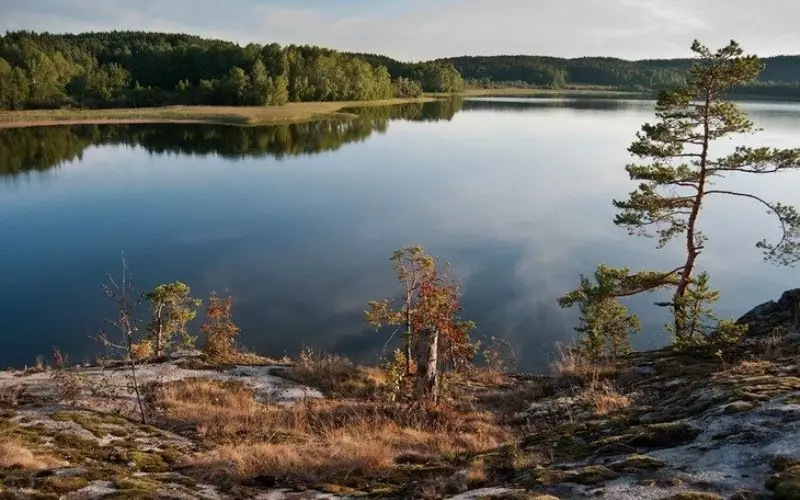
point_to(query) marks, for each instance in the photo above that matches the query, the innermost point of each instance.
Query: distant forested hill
(139, 69)
(135, 69)
(781, 76)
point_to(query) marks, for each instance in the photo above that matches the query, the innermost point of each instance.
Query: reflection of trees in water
(42, 148)
(528, 104)
(442, 109)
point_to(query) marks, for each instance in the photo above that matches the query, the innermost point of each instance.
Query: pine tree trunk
(692, 250)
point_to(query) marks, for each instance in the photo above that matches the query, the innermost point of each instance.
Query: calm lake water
(298, 222)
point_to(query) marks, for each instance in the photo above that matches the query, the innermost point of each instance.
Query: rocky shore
(703, 424)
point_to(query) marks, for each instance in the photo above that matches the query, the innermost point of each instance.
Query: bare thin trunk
(125, 307)
(134, 379)
(159, 333)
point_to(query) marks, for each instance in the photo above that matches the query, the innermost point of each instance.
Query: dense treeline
(42, 148)
(433, 76)
(780, 78)
(136, 69)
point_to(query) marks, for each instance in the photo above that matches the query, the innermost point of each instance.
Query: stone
(765, 319)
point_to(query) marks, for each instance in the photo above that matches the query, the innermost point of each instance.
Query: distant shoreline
(244, 116)
(578, 92)
(292, 113)
(249, 116)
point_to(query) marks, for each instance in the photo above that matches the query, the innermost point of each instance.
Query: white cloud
(412, 29)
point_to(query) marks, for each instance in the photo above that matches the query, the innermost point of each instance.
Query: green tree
(430, 313)
(682, 173)
(18, 90)
(84, 70)
(260, 85)
(280, 95)
(412, 266)
(237, 85)
(405, 87)
(172, 308)
(605, 324)
(43, 77)
(219, 329)
(702, 324)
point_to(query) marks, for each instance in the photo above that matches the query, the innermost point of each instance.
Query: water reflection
(532, 104)
(42, 148)
(515, 195)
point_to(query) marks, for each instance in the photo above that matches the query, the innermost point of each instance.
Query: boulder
(772, 316)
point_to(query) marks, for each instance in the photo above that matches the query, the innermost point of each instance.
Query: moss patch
(593, 474)
(664, 435)
(61, 485)
(694, 495)
(142, 484)
(96, 423)
(148, 461)
(635, 463)
(549, 476)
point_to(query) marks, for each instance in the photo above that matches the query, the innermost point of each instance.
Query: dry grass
(477, 475)
(488, 377)
(15, 455)
(604, 398)
(143, 350)
(578, 370)
(335, 375)
(296, 112)
(318, 441)
(510, 401)
(747, 367)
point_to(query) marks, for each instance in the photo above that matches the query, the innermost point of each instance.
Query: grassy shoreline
(248, 116)
(292, 113)
(296, 112)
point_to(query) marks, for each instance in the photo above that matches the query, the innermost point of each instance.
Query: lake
(298, 222)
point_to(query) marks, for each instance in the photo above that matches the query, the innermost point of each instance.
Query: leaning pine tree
(680, 173)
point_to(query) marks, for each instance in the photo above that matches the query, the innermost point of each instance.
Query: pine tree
(605, 324)
(172, 308)
(682, 174)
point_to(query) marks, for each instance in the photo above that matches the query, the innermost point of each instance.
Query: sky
(425, 29)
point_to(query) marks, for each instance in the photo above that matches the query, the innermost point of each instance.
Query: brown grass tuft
(143, 350)
(318, 440)
(579, 370)
(334, 375)
(605, 398)
(488, 377)
(15, 455)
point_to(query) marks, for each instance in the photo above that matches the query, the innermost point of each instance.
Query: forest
(137, 69)
(781, 77)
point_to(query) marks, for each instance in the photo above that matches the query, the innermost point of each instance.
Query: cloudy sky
(423, 29)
